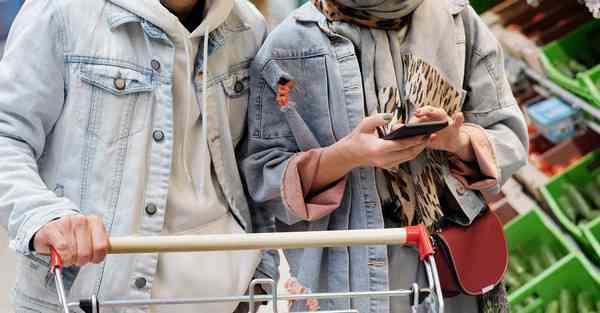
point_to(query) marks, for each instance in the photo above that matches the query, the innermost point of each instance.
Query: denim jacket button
(120, 83)
(238, 87)
(151, 209)
(155, 65)
(158, 135)
(140, 282)
(460, 189)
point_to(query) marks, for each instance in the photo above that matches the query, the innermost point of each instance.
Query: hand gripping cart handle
(413, 235)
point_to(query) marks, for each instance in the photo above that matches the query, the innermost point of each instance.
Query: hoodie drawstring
(205, 165)
(183, 154)
(205, 152)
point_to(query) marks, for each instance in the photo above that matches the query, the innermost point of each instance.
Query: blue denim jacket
(72, 140)
(329, 100)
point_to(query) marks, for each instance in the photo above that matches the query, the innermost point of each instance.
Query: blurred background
(551, 208)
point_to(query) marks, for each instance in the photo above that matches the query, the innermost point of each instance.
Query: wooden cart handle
(262, 241)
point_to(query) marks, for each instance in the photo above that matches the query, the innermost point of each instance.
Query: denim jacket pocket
(236, 89)
(309, 96)
(119, 102)
(35, 284)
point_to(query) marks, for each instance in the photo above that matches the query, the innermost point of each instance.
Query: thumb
(370, 124)
(458, 120)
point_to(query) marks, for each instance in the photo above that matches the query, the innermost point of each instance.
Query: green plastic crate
(592, 234)
(591, 79)
(577, 174)
(576, 45)
(572, 273)
(531, 230)
(481, 6)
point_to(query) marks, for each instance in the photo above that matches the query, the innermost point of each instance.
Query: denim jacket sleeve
(31, 99)
(265, 156)
(490, 102)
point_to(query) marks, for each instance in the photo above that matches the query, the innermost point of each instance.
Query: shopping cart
(428, 297)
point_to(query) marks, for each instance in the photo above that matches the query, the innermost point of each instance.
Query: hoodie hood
(217, 12)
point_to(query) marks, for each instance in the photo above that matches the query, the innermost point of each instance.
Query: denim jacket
(86, 126)
(327, 103)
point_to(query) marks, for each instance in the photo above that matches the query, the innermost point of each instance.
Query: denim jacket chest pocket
(309, 96)
(119, 101)
(236, 88)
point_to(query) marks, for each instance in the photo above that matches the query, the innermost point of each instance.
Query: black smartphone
(417, 129)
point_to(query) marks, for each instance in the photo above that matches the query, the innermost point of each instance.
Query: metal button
(140, 282)
(460, 189)
(155, 65)
(151, 209)
(120, 83)
(238, 87)
(158, 135)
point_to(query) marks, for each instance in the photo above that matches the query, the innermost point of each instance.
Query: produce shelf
(527, 235)
(572, 273)
(576, 175)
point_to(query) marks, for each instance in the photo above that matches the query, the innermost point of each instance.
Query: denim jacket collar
(216, 38)
(308, 13)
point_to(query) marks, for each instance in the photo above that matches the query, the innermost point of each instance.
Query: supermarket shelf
(557, 90)
(565, 95)
(593, 126)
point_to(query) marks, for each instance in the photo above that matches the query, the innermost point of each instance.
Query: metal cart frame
(413, 235)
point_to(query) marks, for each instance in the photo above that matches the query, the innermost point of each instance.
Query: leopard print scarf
(411, 189)
(417, 185)
(388, 15)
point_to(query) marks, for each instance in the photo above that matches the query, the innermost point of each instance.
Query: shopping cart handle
(419, 236)
(56, 265)
(55, 260)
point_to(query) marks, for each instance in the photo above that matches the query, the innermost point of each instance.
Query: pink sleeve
(483, 173)
(297, 182)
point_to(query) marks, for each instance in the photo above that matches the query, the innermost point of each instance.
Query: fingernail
(388, 117)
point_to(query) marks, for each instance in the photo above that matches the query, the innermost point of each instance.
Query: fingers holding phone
(365, 147)
(401, 151)
(446, 139)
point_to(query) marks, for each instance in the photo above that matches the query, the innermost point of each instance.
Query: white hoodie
(194, 205)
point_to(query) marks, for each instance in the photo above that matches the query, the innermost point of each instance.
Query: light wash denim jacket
(72, 140)
(329, 100)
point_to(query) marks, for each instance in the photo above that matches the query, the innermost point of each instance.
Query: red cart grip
(55, 260)
(419, 236)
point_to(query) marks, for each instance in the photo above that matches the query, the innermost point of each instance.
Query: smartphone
(418, 129)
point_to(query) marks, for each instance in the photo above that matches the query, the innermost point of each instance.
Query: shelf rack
(560, 92)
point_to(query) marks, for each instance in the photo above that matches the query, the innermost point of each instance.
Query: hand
(364, 147)
(78, 239)
(449, 139)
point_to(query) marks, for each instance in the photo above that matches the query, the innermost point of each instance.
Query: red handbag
(471, 260)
